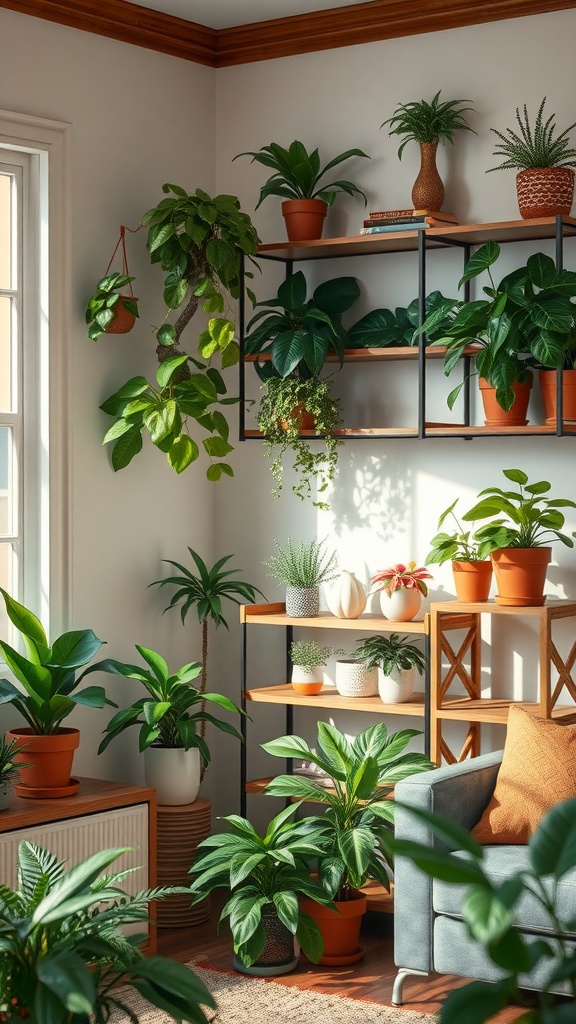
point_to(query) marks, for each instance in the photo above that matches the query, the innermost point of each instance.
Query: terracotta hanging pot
(123, 320)
(495, 415)
(547, 380)
(50, 763)
(401, 605)
(521, 575)
(428, 189)
(340, 929)
(304, 219)
(545, 191)
(306, 420)
(472, 580)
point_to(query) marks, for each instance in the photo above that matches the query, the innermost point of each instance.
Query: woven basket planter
(545, 191)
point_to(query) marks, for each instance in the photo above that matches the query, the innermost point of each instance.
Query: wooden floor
(370, 979)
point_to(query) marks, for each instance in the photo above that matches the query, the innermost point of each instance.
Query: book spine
(392, 214)
(382, 229)
(377, 221)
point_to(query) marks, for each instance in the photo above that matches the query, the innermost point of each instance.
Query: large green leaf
(552, 848)
(336, 296)
(292, 291)
(126, 448)
(25, 621)
(67, 976)
(74, 649)
(480, 261)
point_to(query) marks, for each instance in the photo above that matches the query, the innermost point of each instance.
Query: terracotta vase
(401, 605)
(472, 580)
(304, 219)
(50, 759)
(521, 575)
(123, 320)
(547, 380)
(306, 420)
(340, 929)
(495, 415)
(428, 189)
(545, 191)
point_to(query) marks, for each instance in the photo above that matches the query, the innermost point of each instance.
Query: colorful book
(381, 229)
(387, 215)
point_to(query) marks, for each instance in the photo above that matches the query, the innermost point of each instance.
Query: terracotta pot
(401, 605)
(50, 759)
(495, 415)
(305, 419)
(123, 320)
(307, 680)
(428, 189)
(340, 930)
(545, 191)
(521, 575)
(472, 580)
(304, 218)
(547, 380)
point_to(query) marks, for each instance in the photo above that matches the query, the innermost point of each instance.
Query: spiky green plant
(305, 566)
(9, 767)
(297, 173)
(423, 121)
(534, 146)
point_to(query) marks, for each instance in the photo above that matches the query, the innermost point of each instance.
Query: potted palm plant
(521, 525)
(49, 679)
(64, 955)
(397, 660)
(544, 161)
(302, 569)
(297, 179)
(401, 590)
(471, 568)
(264, 877)
(357, 817)
(428, 124)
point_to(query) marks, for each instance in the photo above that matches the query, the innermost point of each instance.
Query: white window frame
(44, 484)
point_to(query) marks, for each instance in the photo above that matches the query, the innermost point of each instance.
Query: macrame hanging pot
(124, 319)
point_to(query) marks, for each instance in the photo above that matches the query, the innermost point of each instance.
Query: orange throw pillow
(538, 770)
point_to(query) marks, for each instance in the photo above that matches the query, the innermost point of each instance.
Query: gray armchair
(429, 932)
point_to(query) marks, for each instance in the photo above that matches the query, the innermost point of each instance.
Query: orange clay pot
(472, 580)
(521, 575)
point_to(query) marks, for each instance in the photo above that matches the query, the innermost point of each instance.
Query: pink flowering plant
(400, 575)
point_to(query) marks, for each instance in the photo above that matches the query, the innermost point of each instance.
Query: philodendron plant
(200, 243)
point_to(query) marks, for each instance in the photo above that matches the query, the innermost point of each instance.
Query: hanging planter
(108, 311)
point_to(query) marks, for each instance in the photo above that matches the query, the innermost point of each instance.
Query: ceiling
(219, 14)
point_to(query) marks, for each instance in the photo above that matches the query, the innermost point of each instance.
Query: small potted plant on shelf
(522, 523)
(108, 311)
(544, 161)
(297, 179)
(428, 124)
(64, 956)
(49, 680)
(170, 717)
(396, 660)
(357, 816)
(308, 659)
(302, 569)
(9, 768)
(265, 878)
(401, 590)
(471, 567)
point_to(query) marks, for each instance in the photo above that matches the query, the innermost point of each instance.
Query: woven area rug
(244, 1000)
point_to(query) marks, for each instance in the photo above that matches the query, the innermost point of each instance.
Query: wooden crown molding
(282, 37)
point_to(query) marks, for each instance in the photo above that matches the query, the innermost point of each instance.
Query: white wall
(388, 494)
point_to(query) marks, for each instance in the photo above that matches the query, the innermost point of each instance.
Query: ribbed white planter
(396, 688)
(346, 598)
(353, 679)
(174, 773)
(401, 605)
(5, 793)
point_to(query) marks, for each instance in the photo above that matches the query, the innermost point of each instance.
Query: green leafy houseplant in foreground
(524, 518)
(102, 305)
(298, 173)
(358, 816)
(488, 909)
(264, 876)
(199, 242)
(63, 955)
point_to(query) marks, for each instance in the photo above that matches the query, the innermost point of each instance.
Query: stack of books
(406, 220)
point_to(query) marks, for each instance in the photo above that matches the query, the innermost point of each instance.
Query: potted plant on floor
(199, 242)
(63, 955)
(397, 660)
(358, 816)
(471, 568)
(297, 179)
(308, 659)
(9, 768)
(170, 717)
(428, 124)
(522, 523)
(49, 678)
(401, 590)
(302, 569)
(544, 161)
(264, 877)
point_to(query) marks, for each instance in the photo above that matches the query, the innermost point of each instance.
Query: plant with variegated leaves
(400, 575)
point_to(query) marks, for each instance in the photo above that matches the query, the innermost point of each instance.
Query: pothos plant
(199, 242)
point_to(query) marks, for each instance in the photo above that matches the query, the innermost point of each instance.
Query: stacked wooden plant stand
(179, 831)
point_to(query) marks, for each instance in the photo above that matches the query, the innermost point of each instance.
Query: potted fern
(302, 569)
(544, 161)
(308, 659)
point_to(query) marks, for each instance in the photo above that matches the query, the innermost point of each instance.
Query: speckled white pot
(302, 603)
(353, 679)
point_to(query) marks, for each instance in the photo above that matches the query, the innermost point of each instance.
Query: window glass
(6, 303)
(6, 218)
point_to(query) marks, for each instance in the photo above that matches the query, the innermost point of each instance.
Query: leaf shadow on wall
(371, 492)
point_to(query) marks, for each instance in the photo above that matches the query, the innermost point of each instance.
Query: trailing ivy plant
(199, 242)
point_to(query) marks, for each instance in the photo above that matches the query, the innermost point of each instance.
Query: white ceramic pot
(301, 602)
(353, 679)
(401, 605)
(174, 773)
(307, 680)
(5, 793)
(346, 598)
(396, 688)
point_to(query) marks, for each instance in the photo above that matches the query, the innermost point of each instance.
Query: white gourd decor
(346, 598)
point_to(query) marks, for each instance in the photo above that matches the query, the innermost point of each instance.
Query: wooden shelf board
(257, 615)
(495, 710)
(375, 355)
(330, 699)
(436, 430)
(555, 606)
